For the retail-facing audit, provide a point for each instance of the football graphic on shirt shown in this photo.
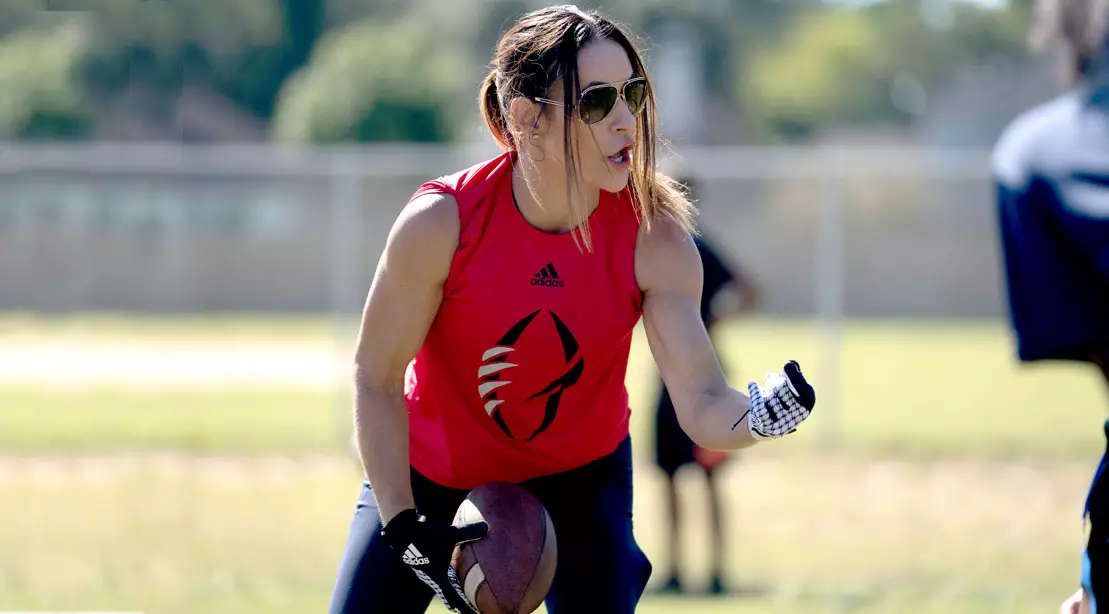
(520, 391)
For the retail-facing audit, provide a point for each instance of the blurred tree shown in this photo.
(376, 81)
(729, 31)
(145, 53)
(243, 49)
(870, 64)
(38, 80)
(496, 17)
(782, 67)
(17, 14)
(341, 13)
(826, 64)
(303, 25)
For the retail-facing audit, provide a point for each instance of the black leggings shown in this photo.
(601, 568)
(1095, 560)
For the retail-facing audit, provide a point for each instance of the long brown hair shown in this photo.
(541, 48)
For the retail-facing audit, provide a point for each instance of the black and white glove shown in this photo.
(780, 405)
(426, 548)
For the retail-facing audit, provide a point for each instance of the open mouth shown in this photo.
(621, 157)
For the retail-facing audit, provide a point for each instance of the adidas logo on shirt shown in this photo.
(412, 556)
(547, 277)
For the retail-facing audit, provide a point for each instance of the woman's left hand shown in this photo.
(783, 403)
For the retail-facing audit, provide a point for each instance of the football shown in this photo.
(511, 570)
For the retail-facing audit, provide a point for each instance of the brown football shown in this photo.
(511, 570)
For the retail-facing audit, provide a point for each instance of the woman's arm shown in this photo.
(712, 413)
(402, 302)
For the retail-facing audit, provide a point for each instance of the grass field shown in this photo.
(203, 469)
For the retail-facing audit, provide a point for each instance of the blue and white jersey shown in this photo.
(1051, 174)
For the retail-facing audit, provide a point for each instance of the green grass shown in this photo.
(229, 421)
(175, 535)
(909, 388)
(954, 486)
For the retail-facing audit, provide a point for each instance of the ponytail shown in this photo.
(492, 113)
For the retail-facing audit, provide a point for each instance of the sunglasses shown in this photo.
(597, 101)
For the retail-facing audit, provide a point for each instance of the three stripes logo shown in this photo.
(412, 556)
(547, 277)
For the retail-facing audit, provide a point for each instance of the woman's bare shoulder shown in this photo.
(666, 256)
(424, 236)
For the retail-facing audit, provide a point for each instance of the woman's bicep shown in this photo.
(669, 269)
(407, 289)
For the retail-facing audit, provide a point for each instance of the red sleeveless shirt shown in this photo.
(522, 371)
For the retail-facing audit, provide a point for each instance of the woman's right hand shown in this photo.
(426, 548)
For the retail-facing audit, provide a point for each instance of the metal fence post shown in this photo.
(829, 280)
(346, 281)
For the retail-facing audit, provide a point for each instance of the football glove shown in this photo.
(780, 405)
(426, 548)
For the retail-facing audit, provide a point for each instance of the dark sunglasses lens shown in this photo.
(635, 93)
(597, 103)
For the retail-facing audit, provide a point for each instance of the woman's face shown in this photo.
(604, 147)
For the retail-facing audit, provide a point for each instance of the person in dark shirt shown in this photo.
(726, 293)
(1051, 174)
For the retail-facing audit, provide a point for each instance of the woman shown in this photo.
(495, 337)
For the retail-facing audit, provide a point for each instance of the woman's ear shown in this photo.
(525, 118)
(528, 126)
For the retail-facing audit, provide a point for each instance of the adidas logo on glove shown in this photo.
(412, 556)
